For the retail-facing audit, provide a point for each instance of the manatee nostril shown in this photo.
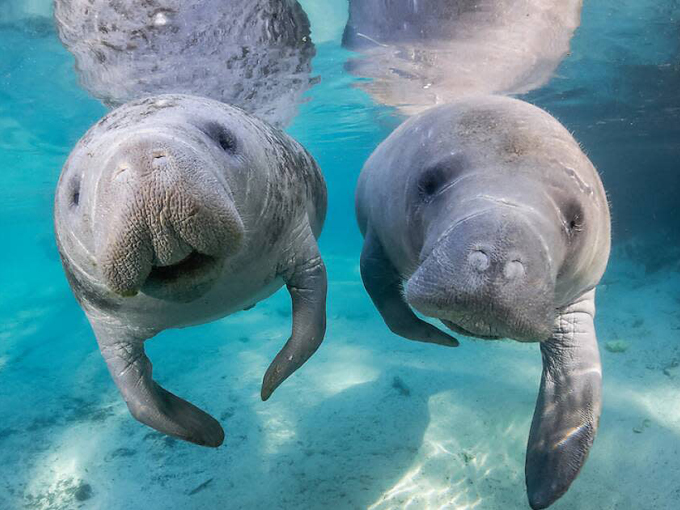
(513, 270)
(478, 260)
(159, 159)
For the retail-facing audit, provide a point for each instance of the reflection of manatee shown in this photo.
(254, 54)
(485, 214)
(422, 53)
(176, 210)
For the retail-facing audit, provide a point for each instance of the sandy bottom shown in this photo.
(372, 421)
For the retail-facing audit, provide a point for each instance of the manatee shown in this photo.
(176, 210)
(421, 53)
(254, 54)
(485, 214)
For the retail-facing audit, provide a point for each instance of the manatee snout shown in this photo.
(167, 217)
(490, 276)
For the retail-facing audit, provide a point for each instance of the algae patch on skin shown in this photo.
(616, 346)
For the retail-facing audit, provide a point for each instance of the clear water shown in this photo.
(372, 421)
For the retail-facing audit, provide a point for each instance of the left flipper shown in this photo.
(307, 285)
(568, 407)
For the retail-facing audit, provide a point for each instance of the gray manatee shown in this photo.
(486, 215)
(420, 53)
(254, 54)
(177, 210)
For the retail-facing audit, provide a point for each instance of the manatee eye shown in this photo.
(573, 214)
(74, 192)
(435, 177)
(430, 182)
(227, 141)
(222, 136)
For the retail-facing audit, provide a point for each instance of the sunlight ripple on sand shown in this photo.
(349, 366)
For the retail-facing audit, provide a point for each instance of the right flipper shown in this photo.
(383, 283)
(307, 284)
(146, 400)
(568, 406)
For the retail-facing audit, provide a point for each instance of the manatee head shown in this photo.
(146, 195)
(511, 216)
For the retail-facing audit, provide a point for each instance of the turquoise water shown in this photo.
(372, 421)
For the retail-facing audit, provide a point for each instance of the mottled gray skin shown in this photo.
(177, 210)
(421, 53)
(254, 54)
(486, 214)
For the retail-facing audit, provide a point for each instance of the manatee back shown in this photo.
(255, 54)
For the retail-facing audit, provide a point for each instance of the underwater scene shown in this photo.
(481, 176)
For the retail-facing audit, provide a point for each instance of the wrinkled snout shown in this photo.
(165, 218)
(488, 276)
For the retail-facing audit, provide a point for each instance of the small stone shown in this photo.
(400, 386)
(467, 457)
(119, 452)
(616, 346)
(672, 370)
(200, 487)
(83, 492)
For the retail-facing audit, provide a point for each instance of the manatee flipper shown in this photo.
(306, 282)
(383, 284)
(152, 405)
(568, 407)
